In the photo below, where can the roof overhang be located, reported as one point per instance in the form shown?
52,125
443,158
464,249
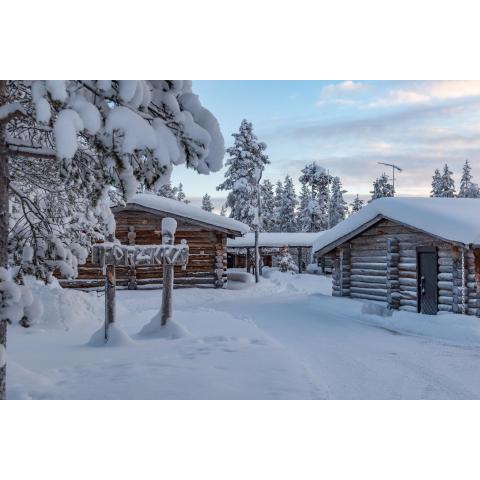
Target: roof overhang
357,231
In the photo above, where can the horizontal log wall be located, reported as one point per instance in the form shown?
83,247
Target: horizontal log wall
370,259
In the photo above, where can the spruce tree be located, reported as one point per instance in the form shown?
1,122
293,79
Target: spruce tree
447,185
317,180
268,206
436,184
382,188
286,207
356,205
338,206
245,164
468,189
168,191
207,203
181,197
278,205
304,214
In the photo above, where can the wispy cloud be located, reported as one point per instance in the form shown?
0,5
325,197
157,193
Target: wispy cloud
340,93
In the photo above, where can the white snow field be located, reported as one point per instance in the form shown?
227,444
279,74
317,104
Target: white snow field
285,338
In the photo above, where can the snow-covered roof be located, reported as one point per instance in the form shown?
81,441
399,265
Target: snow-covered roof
452,219
187,211
274,239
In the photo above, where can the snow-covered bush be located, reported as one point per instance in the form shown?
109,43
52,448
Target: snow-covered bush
286,262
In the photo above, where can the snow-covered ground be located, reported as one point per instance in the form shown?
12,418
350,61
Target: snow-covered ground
285,338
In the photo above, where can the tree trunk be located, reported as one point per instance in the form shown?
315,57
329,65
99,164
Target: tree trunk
4,179
257,256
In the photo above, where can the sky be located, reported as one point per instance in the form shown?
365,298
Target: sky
348,127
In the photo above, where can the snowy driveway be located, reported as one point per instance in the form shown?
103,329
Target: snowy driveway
281,339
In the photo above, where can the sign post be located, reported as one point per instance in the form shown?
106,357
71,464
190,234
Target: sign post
109,255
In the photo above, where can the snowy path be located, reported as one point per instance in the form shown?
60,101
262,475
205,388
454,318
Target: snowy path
281,339
347,359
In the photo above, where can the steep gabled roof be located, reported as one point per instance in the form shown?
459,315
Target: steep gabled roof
456,220
184,211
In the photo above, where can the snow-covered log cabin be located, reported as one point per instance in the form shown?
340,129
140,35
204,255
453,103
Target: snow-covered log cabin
139,222
417,254
241,250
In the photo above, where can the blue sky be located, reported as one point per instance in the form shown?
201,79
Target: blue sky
347,127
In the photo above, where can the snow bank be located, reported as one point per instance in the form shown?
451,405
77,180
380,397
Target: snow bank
185,210
171,330
239,280
56,307
455,328
116,337
453,219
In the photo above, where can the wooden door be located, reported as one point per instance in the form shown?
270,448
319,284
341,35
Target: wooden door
427,280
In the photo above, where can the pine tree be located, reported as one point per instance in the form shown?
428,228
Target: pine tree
168,191
338,206
96,135
277,205
436,184
356,205
223,210
268,206
304,214
207,203
287,203
447,185
318,181
468,189
245,164
181,197
382,188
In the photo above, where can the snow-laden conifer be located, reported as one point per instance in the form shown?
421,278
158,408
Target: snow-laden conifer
286,205
268,206
245,164
356,205
468,189
338,206
207,203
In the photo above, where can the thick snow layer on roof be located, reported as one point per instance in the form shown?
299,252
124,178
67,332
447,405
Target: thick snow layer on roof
275,239
187,211
454,219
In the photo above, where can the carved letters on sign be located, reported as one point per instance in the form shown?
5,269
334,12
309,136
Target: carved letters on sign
129,255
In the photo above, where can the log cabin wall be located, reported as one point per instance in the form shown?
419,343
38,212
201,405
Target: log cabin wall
207,262
383,267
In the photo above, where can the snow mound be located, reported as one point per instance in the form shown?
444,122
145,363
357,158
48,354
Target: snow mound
170,331
116,337
239,280
57,307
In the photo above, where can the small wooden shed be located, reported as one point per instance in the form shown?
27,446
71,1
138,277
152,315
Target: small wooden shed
241,250
416,254
139,222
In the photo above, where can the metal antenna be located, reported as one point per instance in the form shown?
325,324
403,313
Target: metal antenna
394,167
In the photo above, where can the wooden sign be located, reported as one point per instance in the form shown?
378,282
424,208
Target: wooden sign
111,254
